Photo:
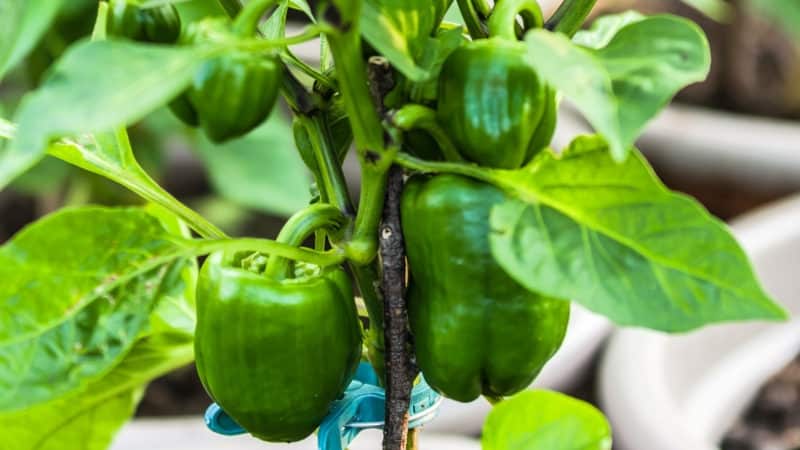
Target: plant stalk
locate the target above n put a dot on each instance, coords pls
(569, 16)
(400, 367)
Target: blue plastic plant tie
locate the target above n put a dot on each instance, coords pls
(220, 422)
(360, 408)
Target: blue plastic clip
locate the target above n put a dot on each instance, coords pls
(360, 408)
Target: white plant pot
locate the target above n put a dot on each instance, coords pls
(698, 142)
(666, 392)
(190, 433)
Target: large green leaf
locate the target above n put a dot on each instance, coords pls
(398, 29)
(611, 237)
(88, 428)
(88, 417)
(196, 10)
(261, 170)
(605, 28)
(545, 420)
(80, 253)
(623, 85)
(22, 24)
(111, 156)
(78, 287)
(432, 58)
(82, 347)
(95, 87)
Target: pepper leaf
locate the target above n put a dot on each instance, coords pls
(88, 417)
(612, 237)
(95, 87)
(398, 29)
(262, 170)
(605, 28)
(624, 84)
(432, 59)
(545, 420)
(78, 288)
(22, 24)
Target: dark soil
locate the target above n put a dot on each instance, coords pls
(773, 420)
(177, 393)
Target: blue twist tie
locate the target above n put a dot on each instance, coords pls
(360, 408)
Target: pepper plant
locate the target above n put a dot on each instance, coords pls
(500, 230)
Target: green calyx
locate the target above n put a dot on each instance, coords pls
(476, 330)
(159, 24)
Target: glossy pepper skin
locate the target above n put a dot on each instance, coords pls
(234, 93)
(543, 135)
(491, 102)
(476, 330)
(159, 24)
(273, 353)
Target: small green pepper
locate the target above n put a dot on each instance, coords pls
(275, 353)
(235, 92)
(494, 106)
(547, 126)
(476, 330)
(491, 102)
(159, 24)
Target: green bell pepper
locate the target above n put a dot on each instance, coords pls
(476, 330)
(235, 92)
(158, 24)
(277, 342)
(493, 105)
(491, 102)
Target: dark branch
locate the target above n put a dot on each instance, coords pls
(380, 80)
(400, 367)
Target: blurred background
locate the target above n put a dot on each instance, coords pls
(732, 142)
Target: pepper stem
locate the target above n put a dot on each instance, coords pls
(503, 19)
(569, 16)
(472, 19)
(246, 22)
(411, 117)
(299, 227)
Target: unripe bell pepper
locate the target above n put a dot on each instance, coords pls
(230, 94)
(234, 93)
(491, 102)
(159, 24)
(547, 126)
(476, 330)
(274, 353)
